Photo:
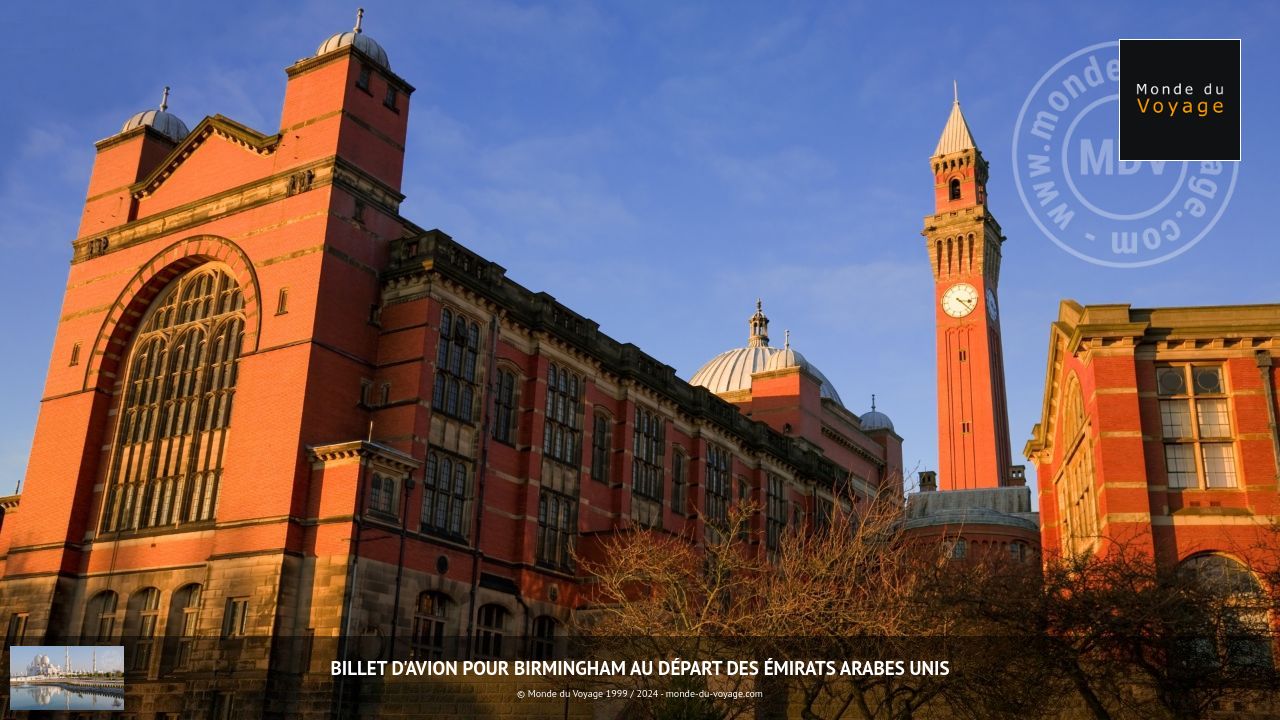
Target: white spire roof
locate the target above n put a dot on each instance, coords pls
(956, 135)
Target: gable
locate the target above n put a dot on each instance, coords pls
(218, 155)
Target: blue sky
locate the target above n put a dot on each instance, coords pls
(655, 166)
(108, 657)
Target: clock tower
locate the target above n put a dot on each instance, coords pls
(963, 241)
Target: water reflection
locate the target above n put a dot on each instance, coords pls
(58, 697)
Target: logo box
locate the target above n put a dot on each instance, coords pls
(1179, 100)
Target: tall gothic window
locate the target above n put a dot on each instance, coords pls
(646, 467)
(718, 486)
(562, 434)
(447, 484)
(679, 481)
(557, 520)
(601, 446)
(455, 386)
(175, 405)
(775, 512)
(504, 416)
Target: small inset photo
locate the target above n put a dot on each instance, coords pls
(66, 677)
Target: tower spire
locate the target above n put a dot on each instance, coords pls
(955, 135)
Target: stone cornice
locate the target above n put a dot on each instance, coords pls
(367, 452)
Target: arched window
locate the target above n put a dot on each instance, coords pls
(140, 625)
(542, 643)
(1236, 628)
(427, 641)
(180, 627)
(954, 189)
(491, 627)
(99, 618)
(175, 404)
(1072, 410)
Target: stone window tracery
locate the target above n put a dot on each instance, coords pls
(174, 409)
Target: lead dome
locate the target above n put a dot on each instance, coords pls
(731, 370)
(356, 37)
(160, 120)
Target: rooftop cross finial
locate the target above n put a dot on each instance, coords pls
(164, 99)
(955, 88)
(359, 19)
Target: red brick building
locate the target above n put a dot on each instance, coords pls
(1158, 431)
(277, 410)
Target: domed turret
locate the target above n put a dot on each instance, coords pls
(875, 420)
(731, 371)
(162, 121)
(356, 37)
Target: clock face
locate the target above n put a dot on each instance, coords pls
(991, 304)
(959, 300)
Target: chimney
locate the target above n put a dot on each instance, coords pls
(1018, 476)
(928, 481)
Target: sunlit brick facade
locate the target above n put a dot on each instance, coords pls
(1158, 431)
(278, 414)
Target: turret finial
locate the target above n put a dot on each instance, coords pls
(164, 99)
(873, 402)
(759, 325)
(955, 88)
(786, 342)
(359, 19)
